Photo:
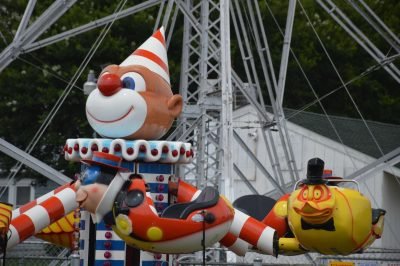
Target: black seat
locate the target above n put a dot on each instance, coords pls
(208, 197)
(256, 206)
(376, 214)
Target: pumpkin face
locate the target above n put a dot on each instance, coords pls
(314, 203)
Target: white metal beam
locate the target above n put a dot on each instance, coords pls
(56, 10)
(89, 26)
(33, 163)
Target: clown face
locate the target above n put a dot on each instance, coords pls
(314, 203)
(132, 102)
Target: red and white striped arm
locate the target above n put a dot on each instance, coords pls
(34, 219)
(33, 203)
(254, 232)
(235, 244)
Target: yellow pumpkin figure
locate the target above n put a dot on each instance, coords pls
(329, 219)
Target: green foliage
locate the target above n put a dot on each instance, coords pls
(31, 84)
(349, 58)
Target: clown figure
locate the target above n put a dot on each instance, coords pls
(126, 174)
(134, 99)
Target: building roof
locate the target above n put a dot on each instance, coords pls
(353, 132)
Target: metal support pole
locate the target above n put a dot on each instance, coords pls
(245, 180)
(389, 36)
(285, 52)
(89, 26)
(271, 150)
(226, 97)
(33, 163)
(201, 148)
(383, 162)
(56, 10)
(278, 113)
(361, 39)
(380, 22)
(25, 19)
(258, 163)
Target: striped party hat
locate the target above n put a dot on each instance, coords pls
(152, 54)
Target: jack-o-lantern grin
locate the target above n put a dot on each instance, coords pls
(314, 203)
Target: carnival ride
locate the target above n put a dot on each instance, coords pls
(134, 100)
(245, 232)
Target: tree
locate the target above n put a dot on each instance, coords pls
(32, 84)
(375, 89)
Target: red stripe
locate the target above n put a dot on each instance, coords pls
(27, 206)
(185, 192)
(54, 207)
(228, 240)
(252, 230)
(24, 225)
(153, 57)
(158, 35)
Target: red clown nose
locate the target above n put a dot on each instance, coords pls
(109, 84)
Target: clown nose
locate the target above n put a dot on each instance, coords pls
(109, 84)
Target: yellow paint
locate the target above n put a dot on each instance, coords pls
(5, 216)
(54, 228)
(341, 263)
(63, 225)
(123, 224)
(60, 232)
(351, 214)
(154, 233)
(280, 209)
(139, 244)
(290, 246)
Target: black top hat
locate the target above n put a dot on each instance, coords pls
(315, 170)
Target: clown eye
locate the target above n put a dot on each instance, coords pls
(133, 81)
(305, 194)
(317, 193)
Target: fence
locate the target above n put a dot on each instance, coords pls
(35, 252)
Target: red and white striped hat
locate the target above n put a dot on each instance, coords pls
(151, 54)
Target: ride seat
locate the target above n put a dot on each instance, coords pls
(256, 206)
(208, 198)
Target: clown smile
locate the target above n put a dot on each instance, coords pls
(315, 213)
(118, 115)
(113, 120)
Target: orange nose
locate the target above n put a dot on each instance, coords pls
(109, 84)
